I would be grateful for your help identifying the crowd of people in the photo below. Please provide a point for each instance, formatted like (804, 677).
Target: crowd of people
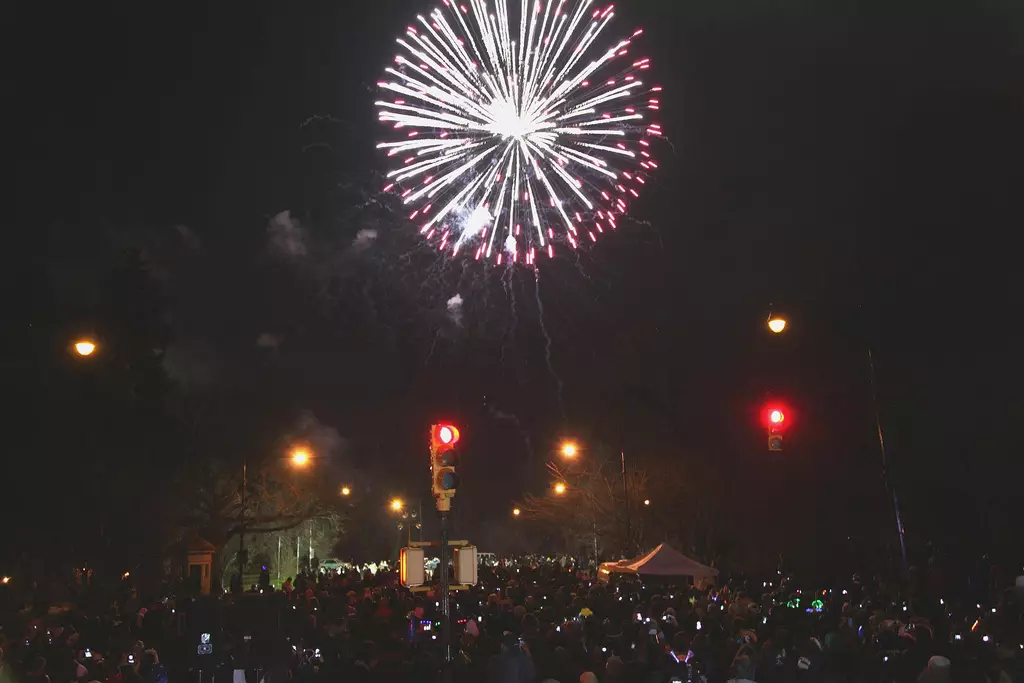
(533, 620)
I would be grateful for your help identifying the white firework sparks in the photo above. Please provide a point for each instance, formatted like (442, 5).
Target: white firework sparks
(515, 145)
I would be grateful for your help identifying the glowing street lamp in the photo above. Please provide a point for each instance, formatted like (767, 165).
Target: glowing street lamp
(5, 580)
(345, 491)
(776, 324)
(397, 504)
(647, 502)
(560, 488)
(300, 457)
(515, 512)
(85, 347)
(569, 449)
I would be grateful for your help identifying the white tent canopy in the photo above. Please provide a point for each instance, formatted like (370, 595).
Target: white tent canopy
(662, 561)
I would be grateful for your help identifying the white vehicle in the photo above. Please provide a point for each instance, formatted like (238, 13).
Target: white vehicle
(334, 565)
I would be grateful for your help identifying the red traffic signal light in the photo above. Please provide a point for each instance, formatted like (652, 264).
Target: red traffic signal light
(443, 457)
(776, 417)
(443, 436)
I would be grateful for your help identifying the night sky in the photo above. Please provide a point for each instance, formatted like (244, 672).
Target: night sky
(857, 168)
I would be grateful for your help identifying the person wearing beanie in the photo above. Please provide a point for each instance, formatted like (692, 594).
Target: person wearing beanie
(937, 671)
(742, 670)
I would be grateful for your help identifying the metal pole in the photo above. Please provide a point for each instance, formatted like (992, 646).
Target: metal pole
(885, 462)
(241, 525)
(446, 625)
(625, 496)
(279, 559)
(309, 561)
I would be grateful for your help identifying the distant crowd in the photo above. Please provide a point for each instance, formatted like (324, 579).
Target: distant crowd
(532, 620)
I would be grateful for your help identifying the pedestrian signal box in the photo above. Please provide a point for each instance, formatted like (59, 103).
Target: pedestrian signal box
(465, 565)
(411, 567)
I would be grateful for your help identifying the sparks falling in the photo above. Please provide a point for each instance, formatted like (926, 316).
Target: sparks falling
(508, 147)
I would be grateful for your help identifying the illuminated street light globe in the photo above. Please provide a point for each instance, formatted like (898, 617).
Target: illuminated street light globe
(345, 490)
(569, 449)
(84, 347)
(647, 501)
(515, 512)
(300, 457)
(397, 504)
(776, 324)
(560, 488)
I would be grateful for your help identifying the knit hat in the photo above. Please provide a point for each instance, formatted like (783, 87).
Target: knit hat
(743, 668)
(937, 671)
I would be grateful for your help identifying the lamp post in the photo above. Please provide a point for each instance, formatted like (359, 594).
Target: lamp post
(299, 457)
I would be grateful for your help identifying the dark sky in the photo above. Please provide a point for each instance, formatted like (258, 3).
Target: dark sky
(858, 167)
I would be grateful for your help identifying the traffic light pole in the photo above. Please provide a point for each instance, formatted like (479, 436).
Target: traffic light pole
(446, 620)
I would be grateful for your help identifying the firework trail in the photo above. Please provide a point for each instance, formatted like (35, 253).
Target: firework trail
(508, 145)
(547, 343)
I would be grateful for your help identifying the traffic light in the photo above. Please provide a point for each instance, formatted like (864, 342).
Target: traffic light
(443, 457)
(775, 417)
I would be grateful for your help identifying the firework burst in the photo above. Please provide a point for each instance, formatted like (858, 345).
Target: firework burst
(510, 146)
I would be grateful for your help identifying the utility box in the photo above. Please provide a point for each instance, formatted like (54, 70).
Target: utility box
(411, 567)
(465, 565)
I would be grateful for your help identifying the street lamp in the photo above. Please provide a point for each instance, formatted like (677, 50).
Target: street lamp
(300, 457)
(515, 512)
(85, 347)
(397, 504)
(776, 324)
(560, 488)
(569, 449)
(345, 491)
(647, 502)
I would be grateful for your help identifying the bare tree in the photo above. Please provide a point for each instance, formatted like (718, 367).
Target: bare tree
(591, 512)
(668, 502)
